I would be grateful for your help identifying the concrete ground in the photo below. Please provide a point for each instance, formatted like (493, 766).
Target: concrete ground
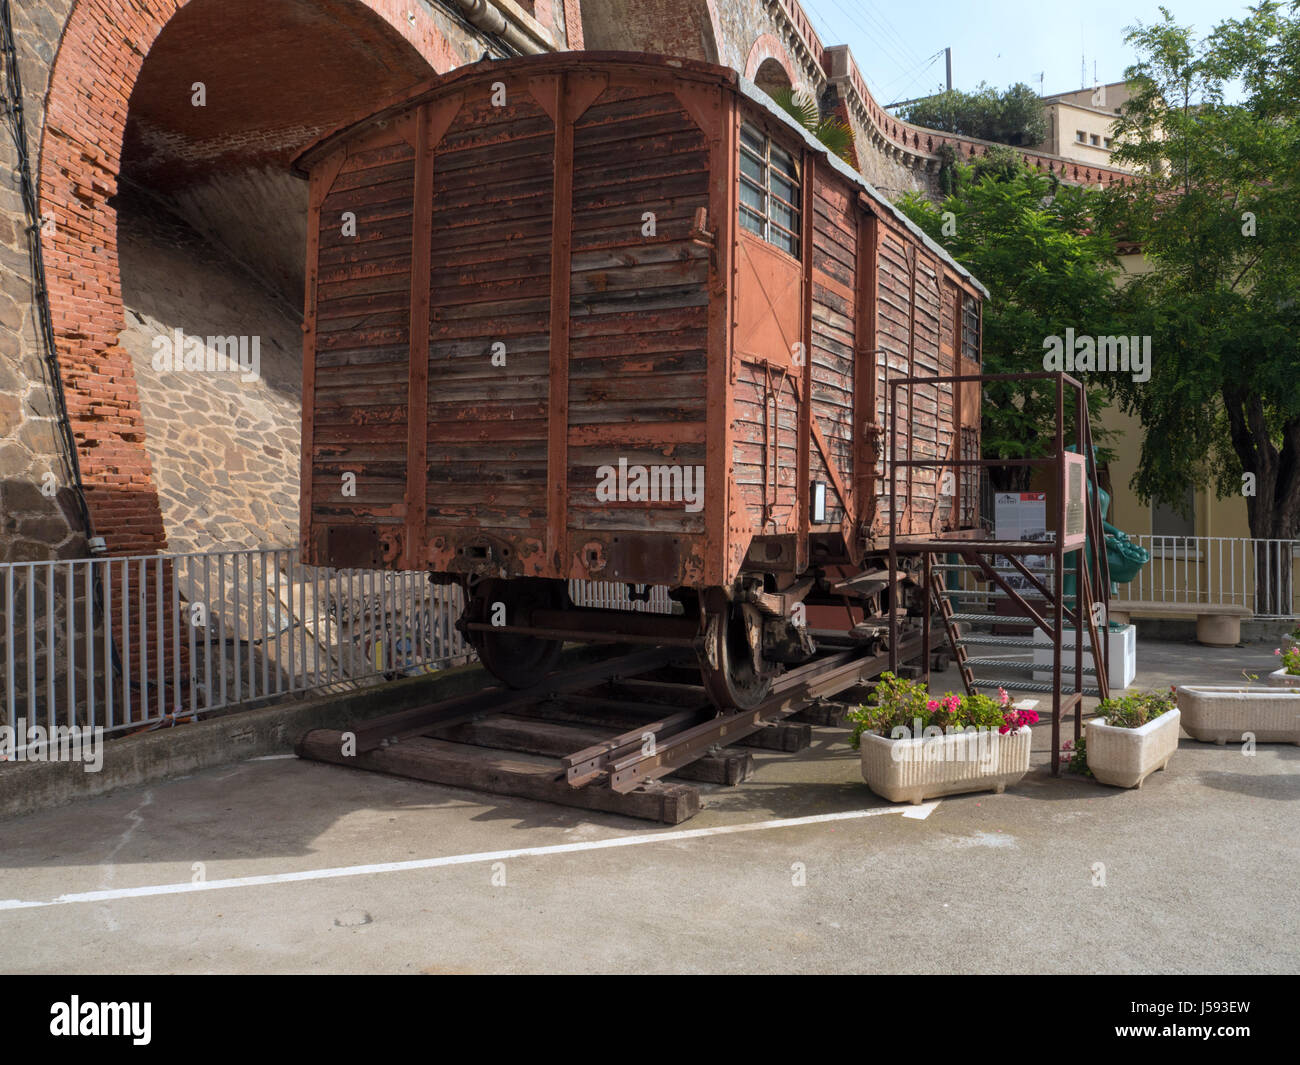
(1196, 872)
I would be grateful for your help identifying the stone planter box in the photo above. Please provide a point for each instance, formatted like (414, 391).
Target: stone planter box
(1224, 715)
(1125, 757)
(1280, 678)
(913, 770)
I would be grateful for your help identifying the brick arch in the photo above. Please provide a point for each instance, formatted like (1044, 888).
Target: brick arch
(768, 47)
(102, 52)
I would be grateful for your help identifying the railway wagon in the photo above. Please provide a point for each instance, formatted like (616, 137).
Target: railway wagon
(617, 317)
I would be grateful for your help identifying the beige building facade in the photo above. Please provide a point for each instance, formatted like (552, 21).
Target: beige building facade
(1080, 124)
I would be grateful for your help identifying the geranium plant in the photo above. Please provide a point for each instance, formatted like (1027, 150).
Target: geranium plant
(1077, 753)
(907, 704)
(1290, 660)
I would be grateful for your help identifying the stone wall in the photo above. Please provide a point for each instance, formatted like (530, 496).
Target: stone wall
(38, 512)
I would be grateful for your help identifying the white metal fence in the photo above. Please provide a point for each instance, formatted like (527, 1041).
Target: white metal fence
(1257, 575)
(129, 643)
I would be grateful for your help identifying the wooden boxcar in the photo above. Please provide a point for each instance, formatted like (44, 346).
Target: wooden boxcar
(617, 317)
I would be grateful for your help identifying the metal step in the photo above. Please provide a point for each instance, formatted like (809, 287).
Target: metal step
(975, 592)
(966, 567)
(1004, 663)
(1000, 663)
(1002, 641)
(1042, 687)
(993, 619)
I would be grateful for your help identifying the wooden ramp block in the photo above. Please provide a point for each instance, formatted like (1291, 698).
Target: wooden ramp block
(554, 740)
(459, 765)
(787, 736)
(824, 713)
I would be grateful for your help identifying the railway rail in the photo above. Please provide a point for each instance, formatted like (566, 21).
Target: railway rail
(632, 734)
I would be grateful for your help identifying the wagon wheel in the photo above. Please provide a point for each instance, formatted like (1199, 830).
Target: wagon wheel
(516, 659)
(726, 662)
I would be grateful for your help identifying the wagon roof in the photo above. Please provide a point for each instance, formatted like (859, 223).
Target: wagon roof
(584, 61)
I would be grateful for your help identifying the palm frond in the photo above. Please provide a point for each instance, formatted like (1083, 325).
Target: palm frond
(838, 139)
(802, 109)
(835, 135)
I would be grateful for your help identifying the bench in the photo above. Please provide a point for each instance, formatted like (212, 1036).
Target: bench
(1217, 624)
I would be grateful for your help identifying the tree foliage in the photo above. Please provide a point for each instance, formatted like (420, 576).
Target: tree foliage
(1215, 214)
(1013, 116)
(1037, 248)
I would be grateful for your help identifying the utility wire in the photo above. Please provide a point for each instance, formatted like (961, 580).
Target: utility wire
(827, 34)
(13, 106)
(915, 76)
(883, 31)
(880, 19)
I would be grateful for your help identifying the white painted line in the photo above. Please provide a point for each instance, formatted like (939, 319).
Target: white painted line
(457, 859)
(920, 813)
(270, 757)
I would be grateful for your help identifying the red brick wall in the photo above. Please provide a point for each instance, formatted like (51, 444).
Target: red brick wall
(95, 71)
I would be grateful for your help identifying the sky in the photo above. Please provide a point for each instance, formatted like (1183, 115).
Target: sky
(998, 41)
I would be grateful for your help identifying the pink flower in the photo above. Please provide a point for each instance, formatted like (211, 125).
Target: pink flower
(932, 705)
(1005, 697)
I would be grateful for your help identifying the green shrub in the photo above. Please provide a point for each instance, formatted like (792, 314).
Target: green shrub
(1135, 710)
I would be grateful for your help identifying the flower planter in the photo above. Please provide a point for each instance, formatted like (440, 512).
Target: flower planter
(913, 770)
(1224, 715)
(1125, 757)
(1280, 678)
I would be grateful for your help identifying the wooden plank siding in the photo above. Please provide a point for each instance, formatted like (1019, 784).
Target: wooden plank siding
(359, 400)
(490, 284)
(516, 227)
(638, 304)
(834, 320)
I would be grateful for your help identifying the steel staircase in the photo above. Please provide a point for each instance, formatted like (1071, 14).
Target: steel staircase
(995, 571)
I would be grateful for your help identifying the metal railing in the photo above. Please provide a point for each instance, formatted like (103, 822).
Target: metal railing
(133, 642)
(123, 643)
(1260, 576)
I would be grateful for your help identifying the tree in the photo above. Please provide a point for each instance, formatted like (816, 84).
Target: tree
(1038, 250)
(1215, 214)
(1012, 117)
